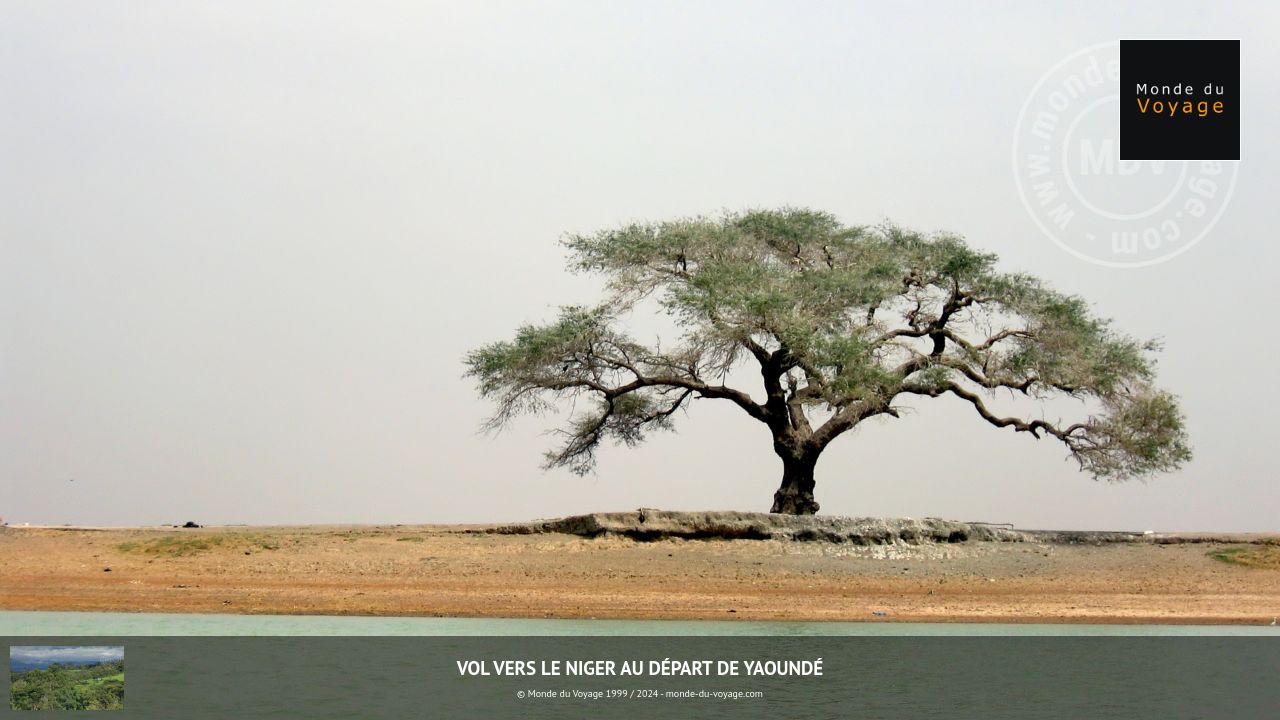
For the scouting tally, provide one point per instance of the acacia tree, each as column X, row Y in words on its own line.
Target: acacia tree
column 842, row 323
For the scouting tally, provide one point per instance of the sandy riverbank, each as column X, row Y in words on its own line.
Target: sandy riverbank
column 436, row 570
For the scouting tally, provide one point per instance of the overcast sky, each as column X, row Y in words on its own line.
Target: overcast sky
column 245, row 246
column 25, row 657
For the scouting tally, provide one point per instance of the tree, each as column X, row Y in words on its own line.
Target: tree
column 842, row 323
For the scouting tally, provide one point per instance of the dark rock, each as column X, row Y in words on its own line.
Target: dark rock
column 190, row 524
column 649, row 524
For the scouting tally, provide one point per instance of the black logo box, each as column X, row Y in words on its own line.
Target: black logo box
column 1158, row 78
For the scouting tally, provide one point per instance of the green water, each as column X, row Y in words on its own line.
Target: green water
column 16, row 623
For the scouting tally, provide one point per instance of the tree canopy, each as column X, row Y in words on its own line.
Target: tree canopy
column 842, row 322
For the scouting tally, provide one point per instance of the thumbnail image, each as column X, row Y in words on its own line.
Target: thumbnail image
column 66, row 677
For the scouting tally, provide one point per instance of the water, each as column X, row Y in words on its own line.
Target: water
column 24, row 623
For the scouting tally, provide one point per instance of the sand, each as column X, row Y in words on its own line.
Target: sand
column 445, row 571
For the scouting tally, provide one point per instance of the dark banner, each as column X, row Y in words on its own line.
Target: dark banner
column 683, row 677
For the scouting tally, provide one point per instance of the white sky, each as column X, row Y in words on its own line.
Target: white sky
column 244, row 247
column 49, row 654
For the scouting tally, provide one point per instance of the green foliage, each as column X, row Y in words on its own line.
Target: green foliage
column 842, row 321
column 1141, row 432
column 182, row 545
column 172, row 545
column 69, row 687
column 1250, row 556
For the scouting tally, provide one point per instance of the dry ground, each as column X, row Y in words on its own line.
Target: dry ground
column 418, row 570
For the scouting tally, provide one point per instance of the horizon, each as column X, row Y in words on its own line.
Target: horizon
column 1166, row 532
column 28, row 657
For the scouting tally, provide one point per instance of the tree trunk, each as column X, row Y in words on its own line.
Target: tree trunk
column 795, row 496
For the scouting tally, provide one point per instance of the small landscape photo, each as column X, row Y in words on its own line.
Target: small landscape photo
column 66, row 677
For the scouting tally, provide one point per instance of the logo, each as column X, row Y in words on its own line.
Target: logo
column 1096, row 203
column 1180, row 99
